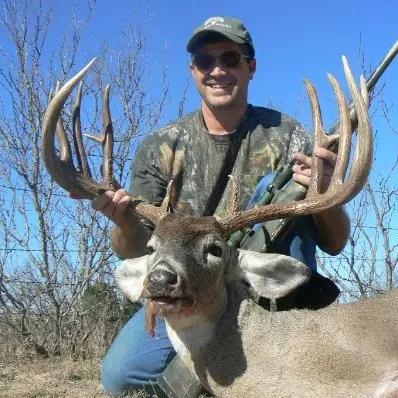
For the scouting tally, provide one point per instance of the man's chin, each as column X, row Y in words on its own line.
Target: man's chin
column 224, row 102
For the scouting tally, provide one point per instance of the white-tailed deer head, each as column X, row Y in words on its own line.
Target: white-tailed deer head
column 190, row 266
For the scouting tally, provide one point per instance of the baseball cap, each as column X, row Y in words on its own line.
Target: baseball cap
column 232, row 28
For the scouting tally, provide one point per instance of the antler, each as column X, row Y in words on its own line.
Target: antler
column 340, row 191
column 61, row 167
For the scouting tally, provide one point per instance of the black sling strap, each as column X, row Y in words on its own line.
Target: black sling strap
column 219, row 187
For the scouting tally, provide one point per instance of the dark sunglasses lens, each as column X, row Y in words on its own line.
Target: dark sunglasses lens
column 231, row 59
column 204, row 61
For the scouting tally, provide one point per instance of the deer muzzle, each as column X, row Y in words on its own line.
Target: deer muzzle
column 166, row 291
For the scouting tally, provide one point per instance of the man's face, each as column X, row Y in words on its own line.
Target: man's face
column 222, row 87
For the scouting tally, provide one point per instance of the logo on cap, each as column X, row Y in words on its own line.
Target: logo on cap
column 216, row 21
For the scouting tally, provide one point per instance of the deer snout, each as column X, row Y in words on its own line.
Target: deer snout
column 163, row 283
column 162, row 277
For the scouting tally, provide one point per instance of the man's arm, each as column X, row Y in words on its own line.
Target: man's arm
column 332, row 225
column 129, row 235
column 332, row 230
column 148, row 182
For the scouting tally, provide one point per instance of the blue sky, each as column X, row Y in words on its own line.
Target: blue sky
column 293, row 40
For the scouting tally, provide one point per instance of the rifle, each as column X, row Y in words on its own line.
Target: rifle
column 284, row 189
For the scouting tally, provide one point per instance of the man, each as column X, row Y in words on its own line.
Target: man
column 226, row 136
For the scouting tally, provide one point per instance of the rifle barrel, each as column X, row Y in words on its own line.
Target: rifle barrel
column 375, row 76
column 370, row 83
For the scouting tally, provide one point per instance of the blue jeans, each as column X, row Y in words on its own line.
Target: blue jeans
column 300, row 242
column 135, row 359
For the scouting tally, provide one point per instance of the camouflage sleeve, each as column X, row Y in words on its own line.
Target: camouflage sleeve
column 300, row 141
column 148, row 181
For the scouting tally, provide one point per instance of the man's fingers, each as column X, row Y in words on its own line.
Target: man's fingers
column 121, row 200
column 302, row 169
column 119, row 213
column 307, row 171
column 328, row 156
column 302, row 158
column 113, row 204
column 302, row 179
column 103, row 200
column 119, row 194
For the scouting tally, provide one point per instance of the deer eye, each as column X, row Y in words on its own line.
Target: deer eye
column 214, row 250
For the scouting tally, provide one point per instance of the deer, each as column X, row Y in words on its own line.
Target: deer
column 203, row 288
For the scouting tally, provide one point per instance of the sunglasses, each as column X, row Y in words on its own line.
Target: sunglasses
column 227, row 59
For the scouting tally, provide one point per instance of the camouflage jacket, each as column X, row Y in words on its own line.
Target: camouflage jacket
column 199, row 162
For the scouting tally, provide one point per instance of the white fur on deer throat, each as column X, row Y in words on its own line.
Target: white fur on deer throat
column 189, row 340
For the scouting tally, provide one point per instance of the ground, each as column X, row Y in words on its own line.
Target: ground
column 51, row 379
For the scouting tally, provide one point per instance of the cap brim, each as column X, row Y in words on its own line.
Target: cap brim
column 195, row 39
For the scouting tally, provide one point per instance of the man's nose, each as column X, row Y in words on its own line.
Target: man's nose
column 217, row 69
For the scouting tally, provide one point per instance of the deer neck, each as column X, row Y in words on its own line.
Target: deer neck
column 190, row 334
column 189, row 341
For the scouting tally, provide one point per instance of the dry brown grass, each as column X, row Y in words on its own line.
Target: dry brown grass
column 52, row 379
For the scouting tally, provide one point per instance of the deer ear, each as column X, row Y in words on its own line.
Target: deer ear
column 270, row 275
column 130, row 277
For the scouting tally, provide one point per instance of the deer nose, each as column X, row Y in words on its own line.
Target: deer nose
column 162, row 277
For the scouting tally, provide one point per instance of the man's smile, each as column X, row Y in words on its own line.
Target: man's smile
column 220, row 85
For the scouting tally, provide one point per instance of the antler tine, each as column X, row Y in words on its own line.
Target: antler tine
column 319, row 136
column 108, row 140
column 343, row 155
column 233, row 204
column 340, row 191
column 321, row 139
column 65, row 153
column 363, row 156
column 64, row 173
column 77, row 135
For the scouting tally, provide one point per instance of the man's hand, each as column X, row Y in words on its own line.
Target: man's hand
column 333, row 225
column 129, row 236
column 302, row 170
column 113, row 205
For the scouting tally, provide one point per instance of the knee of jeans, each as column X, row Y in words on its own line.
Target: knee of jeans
column 114, row 379
column 119, row 376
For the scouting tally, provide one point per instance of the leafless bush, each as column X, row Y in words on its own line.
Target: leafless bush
column 368, row 265
column 56, row 286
